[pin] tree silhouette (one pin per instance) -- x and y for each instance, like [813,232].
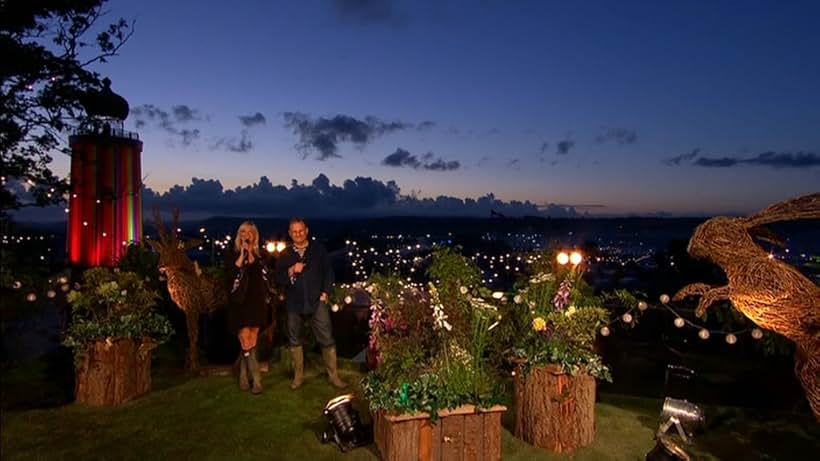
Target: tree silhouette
[49,48]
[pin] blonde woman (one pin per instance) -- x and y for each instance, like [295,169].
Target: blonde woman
[248,309]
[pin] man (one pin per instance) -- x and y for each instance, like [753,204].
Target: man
[304,269]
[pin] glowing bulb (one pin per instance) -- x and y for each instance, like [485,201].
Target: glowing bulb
[51,293]
[604,331]
[270,247]
[280,247]
[334,308]
[664,298]
[562,258]
[731,339]
[348,299]
[679,322]
[757,333]
[64,288]
[17,284]
[575,258]
[627,318]
[31,297]
[642,306]
[703,333]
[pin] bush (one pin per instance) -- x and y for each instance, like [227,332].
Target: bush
[113,304]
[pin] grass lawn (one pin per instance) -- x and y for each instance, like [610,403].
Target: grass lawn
[209,418]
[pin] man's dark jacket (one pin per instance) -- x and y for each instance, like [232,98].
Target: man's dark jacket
[317,277]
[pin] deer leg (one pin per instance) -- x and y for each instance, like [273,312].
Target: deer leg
[693,289]
[710,297]
[192,322]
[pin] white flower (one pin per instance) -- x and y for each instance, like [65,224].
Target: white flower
[498,295]
[463,290]
[517,299]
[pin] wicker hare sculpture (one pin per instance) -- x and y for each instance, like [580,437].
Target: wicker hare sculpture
[191,290]
[771,293]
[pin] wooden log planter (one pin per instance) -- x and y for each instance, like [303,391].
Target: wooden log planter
[463,433]
[554,410]
[113,372]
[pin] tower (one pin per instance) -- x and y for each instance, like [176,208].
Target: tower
[105,205]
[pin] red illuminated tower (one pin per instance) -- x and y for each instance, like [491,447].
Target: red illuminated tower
[105,205]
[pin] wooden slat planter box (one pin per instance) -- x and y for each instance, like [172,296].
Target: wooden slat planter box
[459,434]
[113,372]
[554,410]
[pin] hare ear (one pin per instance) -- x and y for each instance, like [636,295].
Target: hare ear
[805,207]
[767,235]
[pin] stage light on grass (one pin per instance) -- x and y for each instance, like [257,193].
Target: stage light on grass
[344,426]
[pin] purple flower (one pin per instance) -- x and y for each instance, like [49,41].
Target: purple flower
[561,299]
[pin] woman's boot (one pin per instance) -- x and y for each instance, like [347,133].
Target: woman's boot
[256,373]
[244,384]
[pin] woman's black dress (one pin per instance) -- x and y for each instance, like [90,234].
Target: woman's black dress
[248,306]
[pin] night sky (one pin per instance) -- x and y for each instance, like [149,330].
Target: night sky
[633,107]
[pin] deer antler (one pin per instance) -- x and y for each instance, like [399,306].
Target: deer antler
[163,233]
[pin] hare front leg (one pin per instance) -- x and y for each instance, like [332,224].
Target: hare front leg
[692,289]
[709,295]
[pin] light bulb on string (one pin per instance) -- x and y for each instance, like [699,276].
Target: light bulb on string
[679,322]
[757,333]
[703,333]
[627,317]
[604,331]
[642,306]
[731,338]
[664,299]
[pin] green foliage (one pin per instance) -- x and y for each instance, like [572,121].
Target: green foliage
[431,342]
[553,317]
[113,304]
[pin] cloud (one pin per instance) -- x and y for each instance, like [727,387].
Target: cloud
[366,11]
[403,158]
[683,157]
[564,146]
[621,136]
[357,197]
[184,113]
[776,160]
[321,136]
[252,120]
[426,125]
[242,145]
[147,115]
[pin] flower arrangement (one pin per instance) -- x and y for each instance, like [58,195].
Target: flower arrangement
[430,341]
[112,304]
[553,317]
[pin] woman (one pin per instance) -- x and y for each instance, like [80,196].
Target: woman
[248,310]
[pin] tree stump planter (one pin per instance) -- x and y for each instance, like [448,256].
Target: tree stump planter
[113,372]
[463,433]
[554,410]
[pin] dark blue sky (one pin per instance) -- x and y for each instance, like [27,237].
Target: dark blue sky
[695,107]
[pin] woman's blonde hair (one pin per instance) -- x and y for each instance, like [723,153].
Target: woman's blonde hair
[254,243]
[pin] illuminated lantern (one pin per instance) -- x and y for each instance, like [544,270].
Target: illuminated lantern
[105,205]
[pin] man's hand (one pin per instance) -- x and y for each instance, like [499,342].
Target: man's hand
[296,269]
[323,297]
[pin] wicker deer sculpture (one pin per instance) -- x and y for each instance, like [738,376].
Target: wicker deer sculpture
[191,290]
[771,293]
